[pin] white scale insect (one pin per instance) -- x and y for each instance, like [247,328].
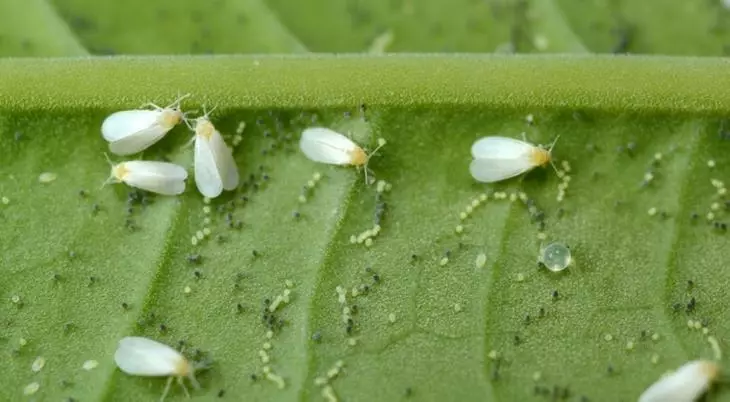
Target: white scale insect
[157,177]
[215,168]
[133,131]
[501,158]
[686,384]
[323,145]
[145,357]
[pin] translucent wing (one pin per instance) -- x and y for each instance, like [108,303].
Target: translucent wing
[493,170]
[684,385]
[158,177]
[500,148]
[145,357]
[121,124]
[138,141]
[225,163]
[326,146]
[207,177]
[132,131]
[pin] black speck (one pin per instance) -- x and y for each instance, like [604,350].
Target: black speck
[253,377]
[240,308]
[376,278]
[317,337]
[409,390]
[555,294]
[83,193]
[197,274]
[163,328]
[296,214]
[125,306]
[694,216]
[221,393]
[255,253]
[690,284]
[691,305]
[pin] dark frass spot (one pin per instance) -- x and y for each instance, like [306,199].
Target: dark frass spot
[691,305]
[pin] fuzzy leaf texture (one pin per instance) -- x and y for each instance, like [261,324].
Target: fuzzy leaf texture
[644,136]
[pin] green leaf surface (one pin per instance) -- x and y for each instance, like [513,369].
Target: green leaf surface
[169,26]
[32,28]
[86,265]
[56,240]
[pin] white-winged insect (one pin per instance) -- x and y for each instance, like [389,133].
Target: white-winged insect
[132,131]
[501,158]
[145,357]
[686,384]
[157,177]
[215,168]
[323,145]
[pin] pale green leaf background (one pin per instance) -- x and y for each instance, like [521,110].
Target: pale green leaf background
[83,266]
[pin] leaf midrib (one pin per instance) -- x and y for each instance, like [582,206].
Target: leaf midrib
[610,84]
